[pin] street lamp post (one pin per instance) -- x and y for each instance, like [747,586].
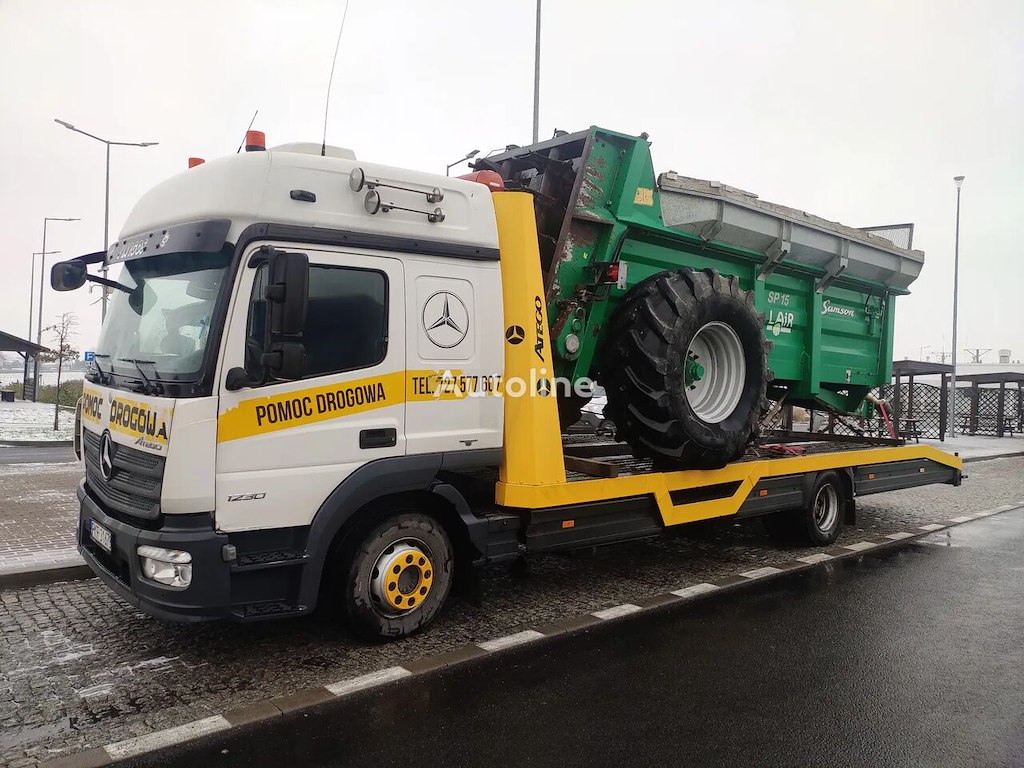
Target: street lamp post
[536,79]
[31,285]
[958,180]
[106,193]
[469,156]
[31,308]
[39,320]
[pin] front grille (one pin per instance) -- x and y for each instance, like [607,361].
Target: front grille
[135,483]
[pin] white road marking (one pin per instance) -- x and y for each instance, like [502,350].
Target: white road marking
[961,519]
[931,527]
[615,611]
[165,738]
[817,557]
[100,689]
[695,589]
[510,641]
[758,573]
[899,535]
[859,546]
[368,680]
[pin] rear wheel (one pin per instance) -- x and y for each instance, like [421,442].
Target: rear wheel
[399,576]
[687,363]
[822,516]
[820,521]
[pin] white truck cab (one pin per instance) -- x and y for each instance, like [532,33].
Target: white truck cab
[196,454]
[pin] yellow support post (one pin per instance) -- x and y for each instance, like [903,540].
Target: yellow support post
[533,439]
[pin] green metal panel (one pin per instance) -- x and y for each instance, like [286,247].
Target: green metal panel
[829,348]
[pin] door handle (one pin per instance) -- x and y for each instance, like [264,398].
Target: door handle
[385,437]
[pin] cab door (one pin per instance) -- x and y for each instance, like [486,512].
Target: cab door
[283,446]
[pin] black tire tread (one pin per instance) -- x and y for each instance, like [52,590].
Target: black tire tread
[402,522]
[640,378]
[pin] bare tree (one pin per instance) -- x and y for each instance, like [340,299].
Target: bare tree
[62,333]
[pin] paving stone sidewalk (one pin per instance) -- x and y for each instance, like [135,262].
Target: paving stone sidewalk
[38,516]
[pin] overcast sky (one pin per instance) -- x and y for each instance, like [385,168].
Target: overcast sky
[861,112]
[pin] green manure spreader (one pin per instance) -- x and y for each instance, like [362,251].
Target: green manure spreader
[694,303]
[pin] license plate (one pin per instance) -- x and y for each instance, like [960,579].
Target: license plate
[100,535]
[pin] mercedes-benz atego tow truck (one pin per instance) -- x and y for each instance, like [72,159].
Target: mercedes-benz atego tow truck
[327,381]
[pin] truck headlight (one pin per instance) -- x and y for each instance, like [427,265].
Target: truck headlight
[166,566]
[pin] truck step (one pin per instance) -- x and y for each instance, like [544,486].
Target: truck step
[270,609]
[254,561]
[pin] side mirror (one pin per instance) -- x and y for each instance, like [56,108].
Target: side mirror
[68,275]
[286,360]
[287,292]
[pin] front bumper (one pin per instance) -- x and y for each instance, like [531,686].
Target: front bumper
[207,597]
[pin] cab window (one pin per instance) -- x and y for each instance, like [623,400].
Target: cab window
[346,325]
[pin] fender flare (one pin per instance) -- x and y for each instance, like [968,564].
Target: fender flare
[375,480]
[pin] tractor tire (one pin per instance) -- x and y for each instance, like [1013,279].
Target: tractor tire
[686,365]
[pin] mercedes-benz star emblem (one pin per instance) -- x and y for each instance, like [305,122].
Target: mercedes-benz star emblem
[515,334]
[106,456]
[445,319]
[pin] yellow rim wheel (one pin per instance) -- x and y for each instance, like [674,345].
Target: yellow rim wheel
[404,577]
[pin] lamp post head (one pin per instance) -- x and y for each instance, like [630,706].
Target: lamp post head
[958,180]
[473,154]
[149,143]
[64,123]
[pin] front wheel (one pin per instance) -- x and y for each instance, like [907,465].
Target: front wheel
[399,576]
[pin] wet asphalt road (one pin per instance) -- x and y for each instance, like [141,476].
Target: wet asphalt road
[30,454]
[907,657]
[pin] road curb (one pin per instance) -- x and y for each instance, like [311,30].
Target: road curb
[36,443]
[305,698]
[40,576]
[1011,455]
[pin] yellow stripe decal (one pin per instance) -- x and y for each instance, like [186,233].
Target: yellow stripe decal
[139,419]
[424,386]
[92,405]
[301,407]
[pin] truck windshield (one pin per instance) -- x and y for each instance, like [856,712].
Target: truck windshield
[164,323]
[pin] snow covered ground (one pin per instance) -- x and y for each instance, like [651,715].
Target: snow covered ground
[49,378]
[22,420]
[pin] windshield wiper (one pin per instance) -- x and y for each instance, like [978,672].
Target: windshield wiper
[104,377]
[149,387]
